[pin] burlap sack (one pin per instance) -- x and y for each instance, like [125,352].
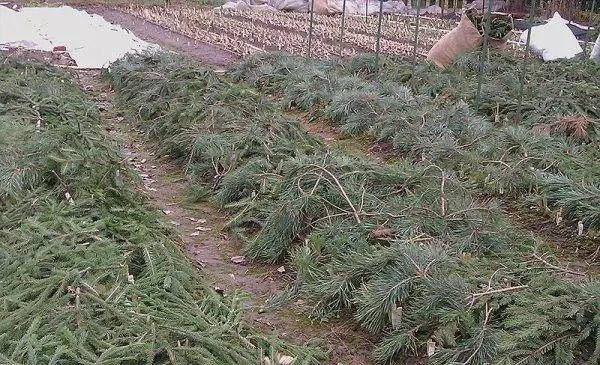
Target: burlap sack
[462,39]
[325,7]
[331,7]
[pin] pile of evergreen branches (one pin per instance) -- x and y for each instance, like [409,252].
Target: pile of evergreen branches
[429,116]
[409,247]
[88,271]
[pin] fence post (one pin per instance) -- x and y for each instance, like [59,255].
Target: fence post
[587,33]
[415,40]
[366,11]
[524,67]
[342,27]
[310,26]
[378,44]
[484,52]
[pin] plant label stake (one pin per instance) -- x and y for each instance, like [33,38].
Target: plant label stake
[484,53]
[525,57]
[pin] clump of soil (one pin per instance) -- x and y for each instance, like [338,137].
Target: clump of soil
[56,58]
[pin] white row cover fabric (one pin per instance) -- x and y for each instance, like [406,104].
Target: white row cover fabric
[596,50]
[553,40]
[90,40]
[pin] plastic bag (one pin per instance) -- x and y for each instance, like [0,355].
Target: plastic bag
[553,40]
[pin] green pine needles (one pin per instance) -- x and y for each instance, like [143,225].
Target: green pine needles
[427,116]
[418,250]
[88,271]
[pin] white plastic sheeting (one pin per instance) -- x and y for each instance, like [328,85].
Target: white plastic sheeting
[17,30]
[596,51]
[553,40]
[90,40]
[330,7]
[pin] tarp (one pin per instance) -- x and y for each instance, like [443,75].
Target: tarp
[90,40]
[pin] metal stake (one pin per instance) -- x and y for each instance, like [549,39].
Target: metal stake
[416,35]
[343,25]
[486,37]
[378,45]
[310,26]
[587,33]
[524,67]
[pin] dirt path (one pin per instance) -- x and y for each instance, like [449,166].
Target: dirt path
[167,39]
[199,227]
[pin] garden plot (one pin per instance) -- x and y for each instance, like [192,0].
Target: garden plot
[418,249]
[89,39]
[247,32]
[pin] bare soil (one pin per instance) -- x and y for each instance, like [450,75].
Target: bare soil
[199,229]
[573,252]
[60,59]
[167,39]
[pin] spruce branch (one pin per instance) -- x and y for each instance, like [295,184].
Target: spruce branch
[554,267]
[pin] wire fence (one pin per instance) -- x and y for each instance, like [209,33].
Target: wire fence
[533,10]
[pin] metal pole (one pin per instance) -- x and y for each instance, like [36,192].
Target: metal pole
[342,27]
[310,26]
[366,11]
[378,45]
[486,37]
[524,67]
[416,35]
[587,33]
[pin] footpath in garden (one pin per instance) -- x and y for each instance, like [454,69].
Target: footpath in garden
[89,271]
[199,227]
